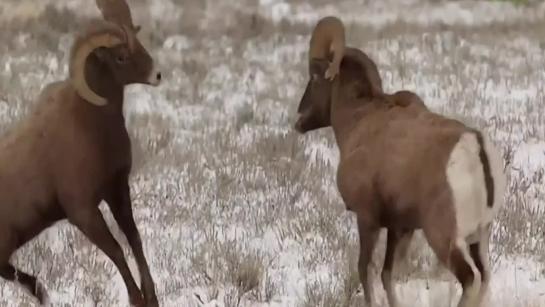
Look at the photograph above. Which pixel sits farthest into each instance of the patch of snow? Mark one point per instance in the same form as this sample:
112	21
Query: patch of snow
530	157
177	43
318	151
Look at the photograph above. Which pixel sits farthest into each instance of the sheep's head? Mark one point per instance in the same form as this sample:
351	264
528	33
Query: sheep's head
314	108
114	44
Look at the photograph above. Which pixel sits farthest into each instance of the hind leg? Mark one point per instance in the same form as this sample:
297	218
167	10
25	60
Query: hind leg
480	254
368	238
456	256
467	273
393	241
29	282
9	272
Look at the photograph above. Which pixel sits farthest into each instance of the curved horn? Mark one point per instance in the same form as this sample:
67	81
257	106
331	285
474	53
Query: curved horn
328	37
119	12
104	36
130	37
370	75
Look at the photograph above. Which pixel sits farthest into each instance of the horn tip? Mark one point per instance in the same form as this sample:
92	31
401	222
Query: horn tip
100	102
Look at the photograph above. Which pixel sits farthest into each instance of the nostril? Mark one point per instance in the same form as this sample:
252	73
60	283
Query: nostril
159	76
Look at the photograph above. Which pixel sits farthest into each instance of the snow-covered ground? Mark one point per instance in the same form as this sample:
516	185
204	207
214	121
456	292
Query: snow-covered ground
235	208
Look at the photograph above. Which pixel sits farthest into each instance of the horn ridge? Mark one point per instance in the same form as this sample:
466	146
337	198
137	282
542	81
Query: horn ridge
328	37
98	35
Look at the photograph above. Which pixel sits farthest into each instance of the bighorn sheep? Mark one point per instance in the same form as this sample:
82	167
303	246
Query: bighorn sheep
73	150
404	167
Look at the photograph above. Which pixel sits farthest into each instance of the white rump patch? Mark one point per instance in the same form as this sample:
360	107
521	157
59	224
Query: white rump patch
466	179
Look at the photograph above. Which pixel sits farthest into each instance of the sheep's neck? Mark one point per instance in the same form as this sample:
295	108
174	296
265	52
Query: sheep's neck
343	122
346	113
101	81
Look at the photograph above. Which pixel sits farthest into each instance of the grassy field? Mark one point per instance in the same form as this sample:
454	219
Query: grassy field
234	207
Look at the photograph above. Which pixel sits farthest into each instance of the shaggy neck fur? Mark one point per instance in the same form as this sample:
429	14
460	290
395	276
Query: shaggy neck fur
101	81
352	99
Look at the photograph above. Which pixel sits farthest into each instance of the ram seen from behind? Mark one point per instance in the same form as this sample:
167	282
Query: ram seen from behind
404	168
73	151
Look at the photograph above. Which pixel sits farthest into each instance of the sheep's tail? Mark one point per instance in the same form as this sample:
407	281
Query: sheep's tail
493	169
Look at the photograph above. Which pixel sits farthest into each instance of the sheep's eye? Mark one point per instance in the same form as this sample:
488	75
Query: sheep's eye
121	59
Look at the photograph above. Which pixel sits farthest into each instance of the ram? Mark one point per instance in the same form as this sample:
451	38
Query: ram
404	168
73	151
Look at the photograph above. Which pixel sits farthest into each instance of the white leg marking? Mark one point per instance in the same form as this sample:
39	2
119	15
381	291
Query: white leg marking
484	254
389	288
470	295
370	282
403	246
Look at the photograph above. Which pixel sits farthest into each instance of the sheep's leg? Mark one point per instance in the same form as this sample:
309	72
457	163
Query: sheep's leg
29	282
466	272
474	252
10	273
403	244
456	255
485	257
394	238
120	204
368	238
91	222
480	254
